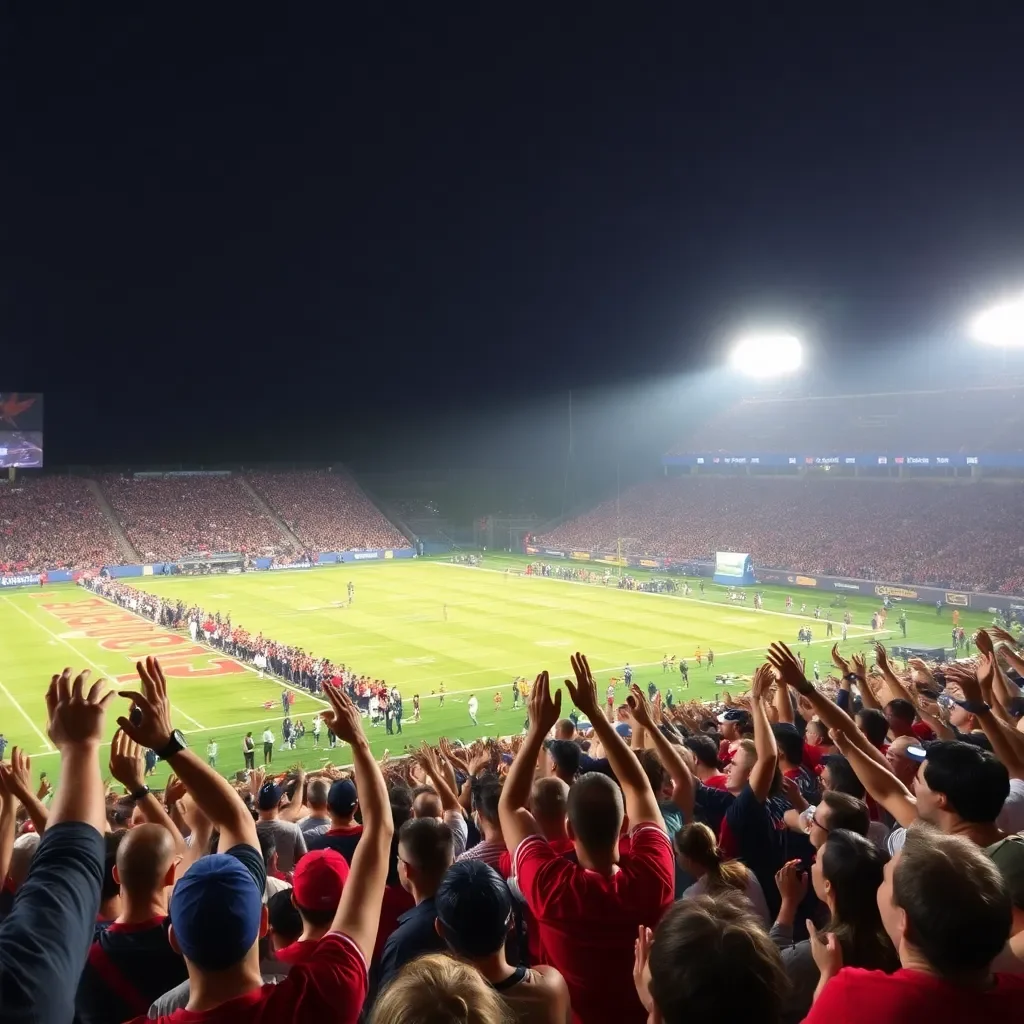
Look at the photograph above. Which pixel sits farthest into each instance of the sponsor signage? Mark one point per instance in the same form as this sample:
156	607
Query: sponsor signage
291	565
531	550
802	581
995	460
649	563
553	553
362	556
580	556
885	591
25	580
960	600
842	585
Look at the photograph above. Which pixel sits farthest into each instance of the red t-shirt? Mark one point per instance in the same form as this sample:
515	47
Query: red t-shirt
588	922
914	997
298	952
395	903
717	781
330	985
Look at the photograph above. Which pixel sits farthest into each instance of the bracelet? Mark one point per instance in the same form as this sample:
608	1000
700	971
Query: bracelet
140	793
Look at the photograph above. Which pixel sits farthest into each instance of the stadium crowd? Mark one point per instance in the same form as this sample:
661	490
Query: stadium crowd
846	852
52	522
169	517
964	537
327	511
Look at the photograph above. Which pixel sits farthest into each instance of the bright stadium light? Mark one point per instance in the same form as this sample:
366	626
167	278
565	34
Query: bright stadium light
767	355
1002	325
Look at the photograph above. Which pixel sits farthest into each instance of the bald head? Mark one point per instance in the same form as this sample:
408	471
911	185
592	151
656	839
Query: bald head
144	858
427	805
564	729
595	812
548	802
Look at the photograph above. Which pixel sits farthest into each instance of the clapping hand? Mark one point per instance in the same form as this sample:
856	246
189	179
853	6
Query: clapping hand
827	953
149	721
584	693
792	882
126	762
17	776
640	708
74	716
881	657
839	661
788	668
343	718
543	710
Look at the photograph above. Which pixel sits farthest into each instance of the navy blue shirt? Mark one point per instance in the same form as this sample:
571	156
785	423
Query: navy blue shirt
343	840
46	938
414	936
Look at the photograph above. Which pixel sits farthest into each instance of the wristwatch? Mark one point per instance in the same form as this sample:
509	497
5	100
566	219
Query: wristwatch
174	746
851	677
140	793
974	707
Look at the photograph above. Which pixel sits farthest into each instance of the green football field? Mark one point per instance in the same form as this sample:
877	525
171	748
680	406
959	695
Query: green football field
414	624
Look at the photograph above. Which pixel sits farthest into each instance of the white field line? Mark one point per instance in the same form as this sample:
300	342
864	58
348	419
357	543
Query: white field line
24	714
74	650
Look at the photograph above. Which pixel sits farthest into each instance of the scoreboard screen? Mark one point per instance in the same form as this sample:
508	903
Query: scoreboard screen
21	430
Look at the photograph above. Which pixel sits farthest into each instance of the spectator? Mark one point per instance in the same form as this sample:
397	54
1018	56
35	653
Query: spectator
589	911
45	939
706	953
486	793
443	991
318	821
846	875
217	910
938	890
424	854
701	858
317	887
286	836
474	914
345	832
564	760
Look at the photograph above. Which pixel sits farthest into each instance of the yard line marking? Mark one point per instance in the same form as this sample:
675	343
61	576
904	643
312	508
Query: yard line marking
96	665
24	714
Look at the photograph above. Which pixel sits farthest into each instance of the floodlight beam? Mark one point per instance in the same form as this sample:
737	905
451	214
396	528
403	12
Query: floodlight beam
767	355
1001	326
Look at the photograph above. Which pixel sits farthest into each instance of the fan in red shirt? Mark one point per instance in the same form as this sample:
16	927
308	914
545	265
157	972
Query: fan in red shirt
316	891
947	910
589	911
217	911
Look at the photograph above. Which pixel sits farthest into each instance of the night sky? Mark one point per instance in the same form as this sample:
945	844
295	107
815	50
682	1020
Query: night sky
231	234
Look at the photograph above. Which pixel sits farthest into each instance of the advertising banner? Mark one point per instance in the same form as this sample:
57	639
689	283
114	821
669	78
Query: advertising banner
23	580
996	460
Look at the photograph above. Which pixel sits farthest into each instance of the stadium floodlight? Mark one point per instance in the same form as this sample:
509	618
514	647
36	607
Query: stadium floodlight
1002	325
767	355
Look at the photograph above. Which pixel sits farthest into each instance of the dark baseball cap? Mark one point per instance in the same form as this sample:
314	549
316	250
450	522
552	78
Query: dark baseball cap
474	906
215	911
269	796
342	797
734	715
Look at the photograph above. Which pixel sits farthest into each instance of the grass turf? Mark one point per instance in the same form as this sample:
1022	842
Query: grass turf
497	626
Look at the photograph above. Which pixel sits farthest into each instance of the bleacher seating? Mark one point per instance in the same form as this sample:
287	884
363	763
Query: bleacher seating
53	522
968	536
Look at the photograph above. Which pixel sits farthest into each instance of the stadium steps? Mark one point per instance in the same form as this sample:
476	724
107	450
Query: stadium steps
264	507
124	545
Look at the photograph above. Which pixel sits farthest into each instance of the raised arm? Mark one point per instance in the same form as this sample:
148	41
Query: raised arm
685	787
430	762
358	914
8	821
149	724
127	766
883	787
17	777
763	773
1007	743
895	684
517	823
784	704
641	803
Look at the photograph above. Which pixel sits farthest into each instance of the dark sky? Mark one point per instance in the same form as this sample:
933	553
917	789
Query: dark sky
236	234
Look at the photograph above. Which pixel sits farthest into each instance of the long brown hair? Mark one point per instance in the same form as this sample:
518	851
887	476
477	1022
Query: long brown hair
697	842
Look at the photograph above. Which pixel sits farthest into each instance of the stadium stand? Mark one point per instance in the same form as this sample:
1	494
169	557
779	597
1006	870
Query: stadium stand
53	522
967	536
170	517
326	510
972	420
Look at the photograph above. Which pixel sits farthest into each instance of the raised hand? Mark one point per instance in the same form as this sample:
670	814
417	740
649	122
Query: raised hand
1002	636
640	707
584	693
827	953
762	682
859	667
792	882
544	711
257	777
968	678
641	954
839	661
881	657
126	762
788	668
173	791
17	776
343	718
74	716
983	642
149	721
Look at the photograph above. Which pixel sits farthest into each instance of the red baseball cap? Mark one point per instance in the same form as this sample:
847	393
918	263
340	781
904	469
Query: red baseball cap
319	879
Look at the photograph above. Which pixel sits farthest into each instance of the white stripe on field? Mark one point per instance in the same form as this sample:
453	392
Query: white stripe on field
24	714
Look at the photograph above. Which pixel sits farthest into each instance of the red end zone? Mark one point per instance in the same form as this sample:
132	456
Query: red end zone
122	632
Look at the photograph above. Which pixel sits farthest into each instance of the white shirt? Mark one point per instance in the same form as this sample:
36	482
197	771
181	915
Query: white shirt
473	705
1011	817
268	737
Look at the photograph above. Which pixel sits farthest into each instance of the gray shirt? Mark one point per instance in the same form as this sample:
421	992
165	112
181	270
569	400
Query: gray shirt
801	968
288	838
314	826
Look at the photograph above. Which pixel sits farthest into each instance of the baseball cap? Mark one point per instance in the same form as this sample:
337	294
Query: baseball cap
1008	856
216	908
342	797
916	753
474	905
733	715
269	796
319	879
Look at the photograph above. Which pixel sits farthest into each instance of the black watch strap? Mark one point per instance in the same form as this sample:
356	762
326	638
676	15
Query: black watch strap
140	793
174	745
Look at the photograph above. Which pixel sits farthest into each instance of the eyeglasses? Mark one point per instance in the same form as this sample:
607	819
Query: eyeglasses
814	821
